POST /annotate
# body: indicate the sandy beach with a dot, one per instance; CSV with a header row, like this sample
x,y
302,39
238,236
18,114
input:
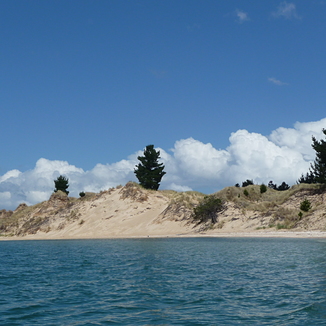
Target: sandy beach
x,y
237,234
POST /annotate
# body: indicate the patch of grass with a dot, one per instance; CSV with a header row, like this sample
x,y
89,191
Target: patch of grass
x,y
280,226
134,191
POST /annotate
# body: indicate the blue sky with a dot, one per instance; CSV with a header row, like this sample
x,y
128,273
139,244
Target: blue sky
x,y
86,85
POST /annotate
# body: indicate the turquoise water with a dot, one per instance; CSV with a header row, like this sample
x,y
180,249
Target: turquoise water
x,y
201,281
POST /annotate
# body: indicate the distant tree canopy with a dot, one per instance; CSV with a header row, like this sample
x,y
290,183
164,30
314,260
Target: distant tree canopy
x,y
247,183
61,184
263,188
149,171
282,187
308,178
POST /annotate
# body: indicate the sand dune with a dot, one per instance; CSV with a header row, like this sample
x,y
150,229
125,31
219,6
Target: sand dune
x,y
130,211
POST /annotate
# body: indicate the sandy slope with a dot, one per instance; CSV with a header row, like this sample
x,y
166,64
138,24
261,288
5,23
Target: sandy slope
x,y
131,211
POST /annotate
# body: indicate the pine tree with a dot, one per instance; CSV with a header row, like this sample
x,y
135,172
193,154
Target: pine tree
x,y
308,178
318,168
61,184
149,172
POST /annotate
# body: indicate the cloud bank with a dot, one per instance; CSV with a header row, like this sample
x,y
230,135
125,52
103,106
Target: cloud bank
x,y
190,165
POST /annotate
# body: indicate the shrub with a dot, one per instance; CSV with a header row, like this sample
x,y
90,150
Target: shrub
x,y
246,193
263,188
305,205
300,215
208,209
82,194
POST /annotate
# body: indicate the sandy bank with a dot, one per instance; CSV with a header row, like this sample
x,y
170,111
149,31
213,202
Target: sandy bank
x,y
236,234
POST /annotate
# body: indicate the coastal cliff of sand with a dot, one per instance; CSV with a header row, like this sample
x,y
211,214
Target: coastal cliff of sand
x,y
132,211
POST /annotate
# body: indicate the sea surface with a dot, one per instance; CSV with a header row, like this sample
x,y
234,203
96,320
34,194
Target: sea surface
x,y
188,281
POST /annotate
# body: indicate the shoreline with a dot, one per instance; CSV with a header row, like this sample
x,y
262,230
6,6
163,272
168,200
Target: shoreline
x,y
248,234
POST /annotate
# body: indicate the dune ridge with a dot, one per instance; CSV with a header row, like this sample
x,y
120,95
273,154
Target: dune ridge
x,y
131,211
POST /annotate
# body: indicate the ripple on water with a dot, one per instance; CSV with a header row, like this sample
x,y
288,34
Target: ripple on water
x,y
163,282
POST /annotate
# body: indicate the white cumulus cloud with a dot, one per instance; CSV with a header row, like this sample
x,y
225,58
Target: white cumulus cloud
x,y
190,165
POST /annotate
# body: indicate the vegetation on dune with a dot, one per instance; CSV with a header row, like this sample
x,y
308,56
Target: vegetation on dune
x,y
181,205
281,208
263,188
149,171
133,191
282,187
305,205
247,183
208,209
61,183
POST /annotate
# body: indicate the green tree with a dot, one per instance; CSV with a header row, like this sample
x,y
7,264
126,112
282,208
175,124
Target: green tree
x,y
208,209
149,171
318,168
61,184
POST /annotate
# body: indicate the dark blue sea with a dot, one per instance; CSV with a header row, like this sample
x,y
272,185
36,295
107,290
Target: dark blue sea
x,y
193,281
